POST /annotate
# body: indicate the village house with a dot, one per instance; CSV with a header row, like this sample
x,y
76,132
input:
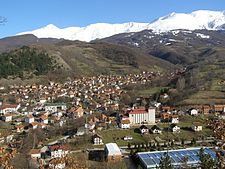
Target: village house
x,y
196,126
29,118
144,129
19,128
44,119
166,108
58,151
34,125
9,108
54,107
124,124
219,108
156,130
174,119
206,109
92,123
174,128
97,139
35,153
76,112
165,117
194,112
9,137
7,118
57,163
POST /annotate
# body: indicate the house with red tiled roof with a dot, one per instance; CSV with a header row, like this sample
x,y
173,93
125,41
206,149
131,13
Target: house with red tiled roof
x,y
35,153
34,125
19,128
125,124
44,119
58,150
6,108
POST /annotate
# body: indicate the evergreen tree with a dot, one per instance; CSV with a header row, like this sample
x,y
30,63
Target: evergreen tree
x,y
206,162
165,162
128,145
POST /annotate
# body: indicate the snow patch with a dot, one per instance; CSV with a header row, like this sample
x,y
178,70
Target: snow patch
x,y
175,22
202,36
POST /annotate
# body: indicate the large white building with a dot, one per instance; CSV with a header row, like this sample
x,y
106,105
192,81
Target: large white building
x,y
142,116
54,107
9,108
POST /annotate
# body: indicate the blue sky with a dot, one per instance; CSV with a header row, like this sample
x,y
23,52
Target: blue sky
x,y
25,15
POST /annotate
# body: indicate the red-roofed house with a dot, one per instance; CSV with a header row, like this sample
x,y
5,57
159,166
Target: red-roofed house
x,y
19,128
58,151
125,124
35,153
6,108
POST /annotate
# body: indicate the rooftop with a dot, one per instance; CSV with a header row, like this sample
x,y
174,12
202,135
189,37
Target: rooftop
x,y
113,149
152,159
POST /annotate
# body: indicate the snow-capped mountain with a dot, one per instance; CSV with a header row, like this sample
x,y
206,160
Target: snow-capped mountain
x,y
202,19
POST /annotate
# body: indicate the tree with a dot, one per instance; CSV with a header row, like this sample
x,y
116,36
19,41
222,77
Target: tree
x,y
193,141
184,162
206,162
2,20
128,145
165,162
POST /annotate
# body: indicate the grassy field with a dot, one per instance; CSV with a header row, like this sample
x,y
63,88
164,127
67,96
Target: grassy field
x,y
206,97
4,126
116,135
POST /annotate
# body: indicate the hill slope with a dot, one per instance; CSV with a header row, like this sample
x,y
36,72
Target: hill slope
x,y
200,51
74,58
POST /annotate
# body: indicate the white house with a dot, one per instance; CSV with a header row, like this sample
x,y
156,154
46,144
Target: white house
x,y
9,108
29,119
7,117
127,138
174,119
156,130
44,119
58,151
59,165
124,124
54,107
97,139
141,116
35,153
144,129
174,128
193,112
34,125
196,126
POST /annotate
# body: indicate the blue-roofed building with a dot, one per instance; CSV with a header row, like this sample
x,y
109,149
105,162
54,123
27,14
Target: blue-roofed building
x,y
152,159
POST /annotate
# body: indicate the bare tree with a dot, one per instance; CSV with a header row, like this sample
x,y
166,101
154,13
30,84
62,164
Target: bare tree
x,y
3,20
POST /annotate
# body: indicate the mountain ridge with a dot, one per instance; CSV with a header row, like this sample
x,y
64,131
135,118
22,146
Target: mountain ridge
x,y
201,19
